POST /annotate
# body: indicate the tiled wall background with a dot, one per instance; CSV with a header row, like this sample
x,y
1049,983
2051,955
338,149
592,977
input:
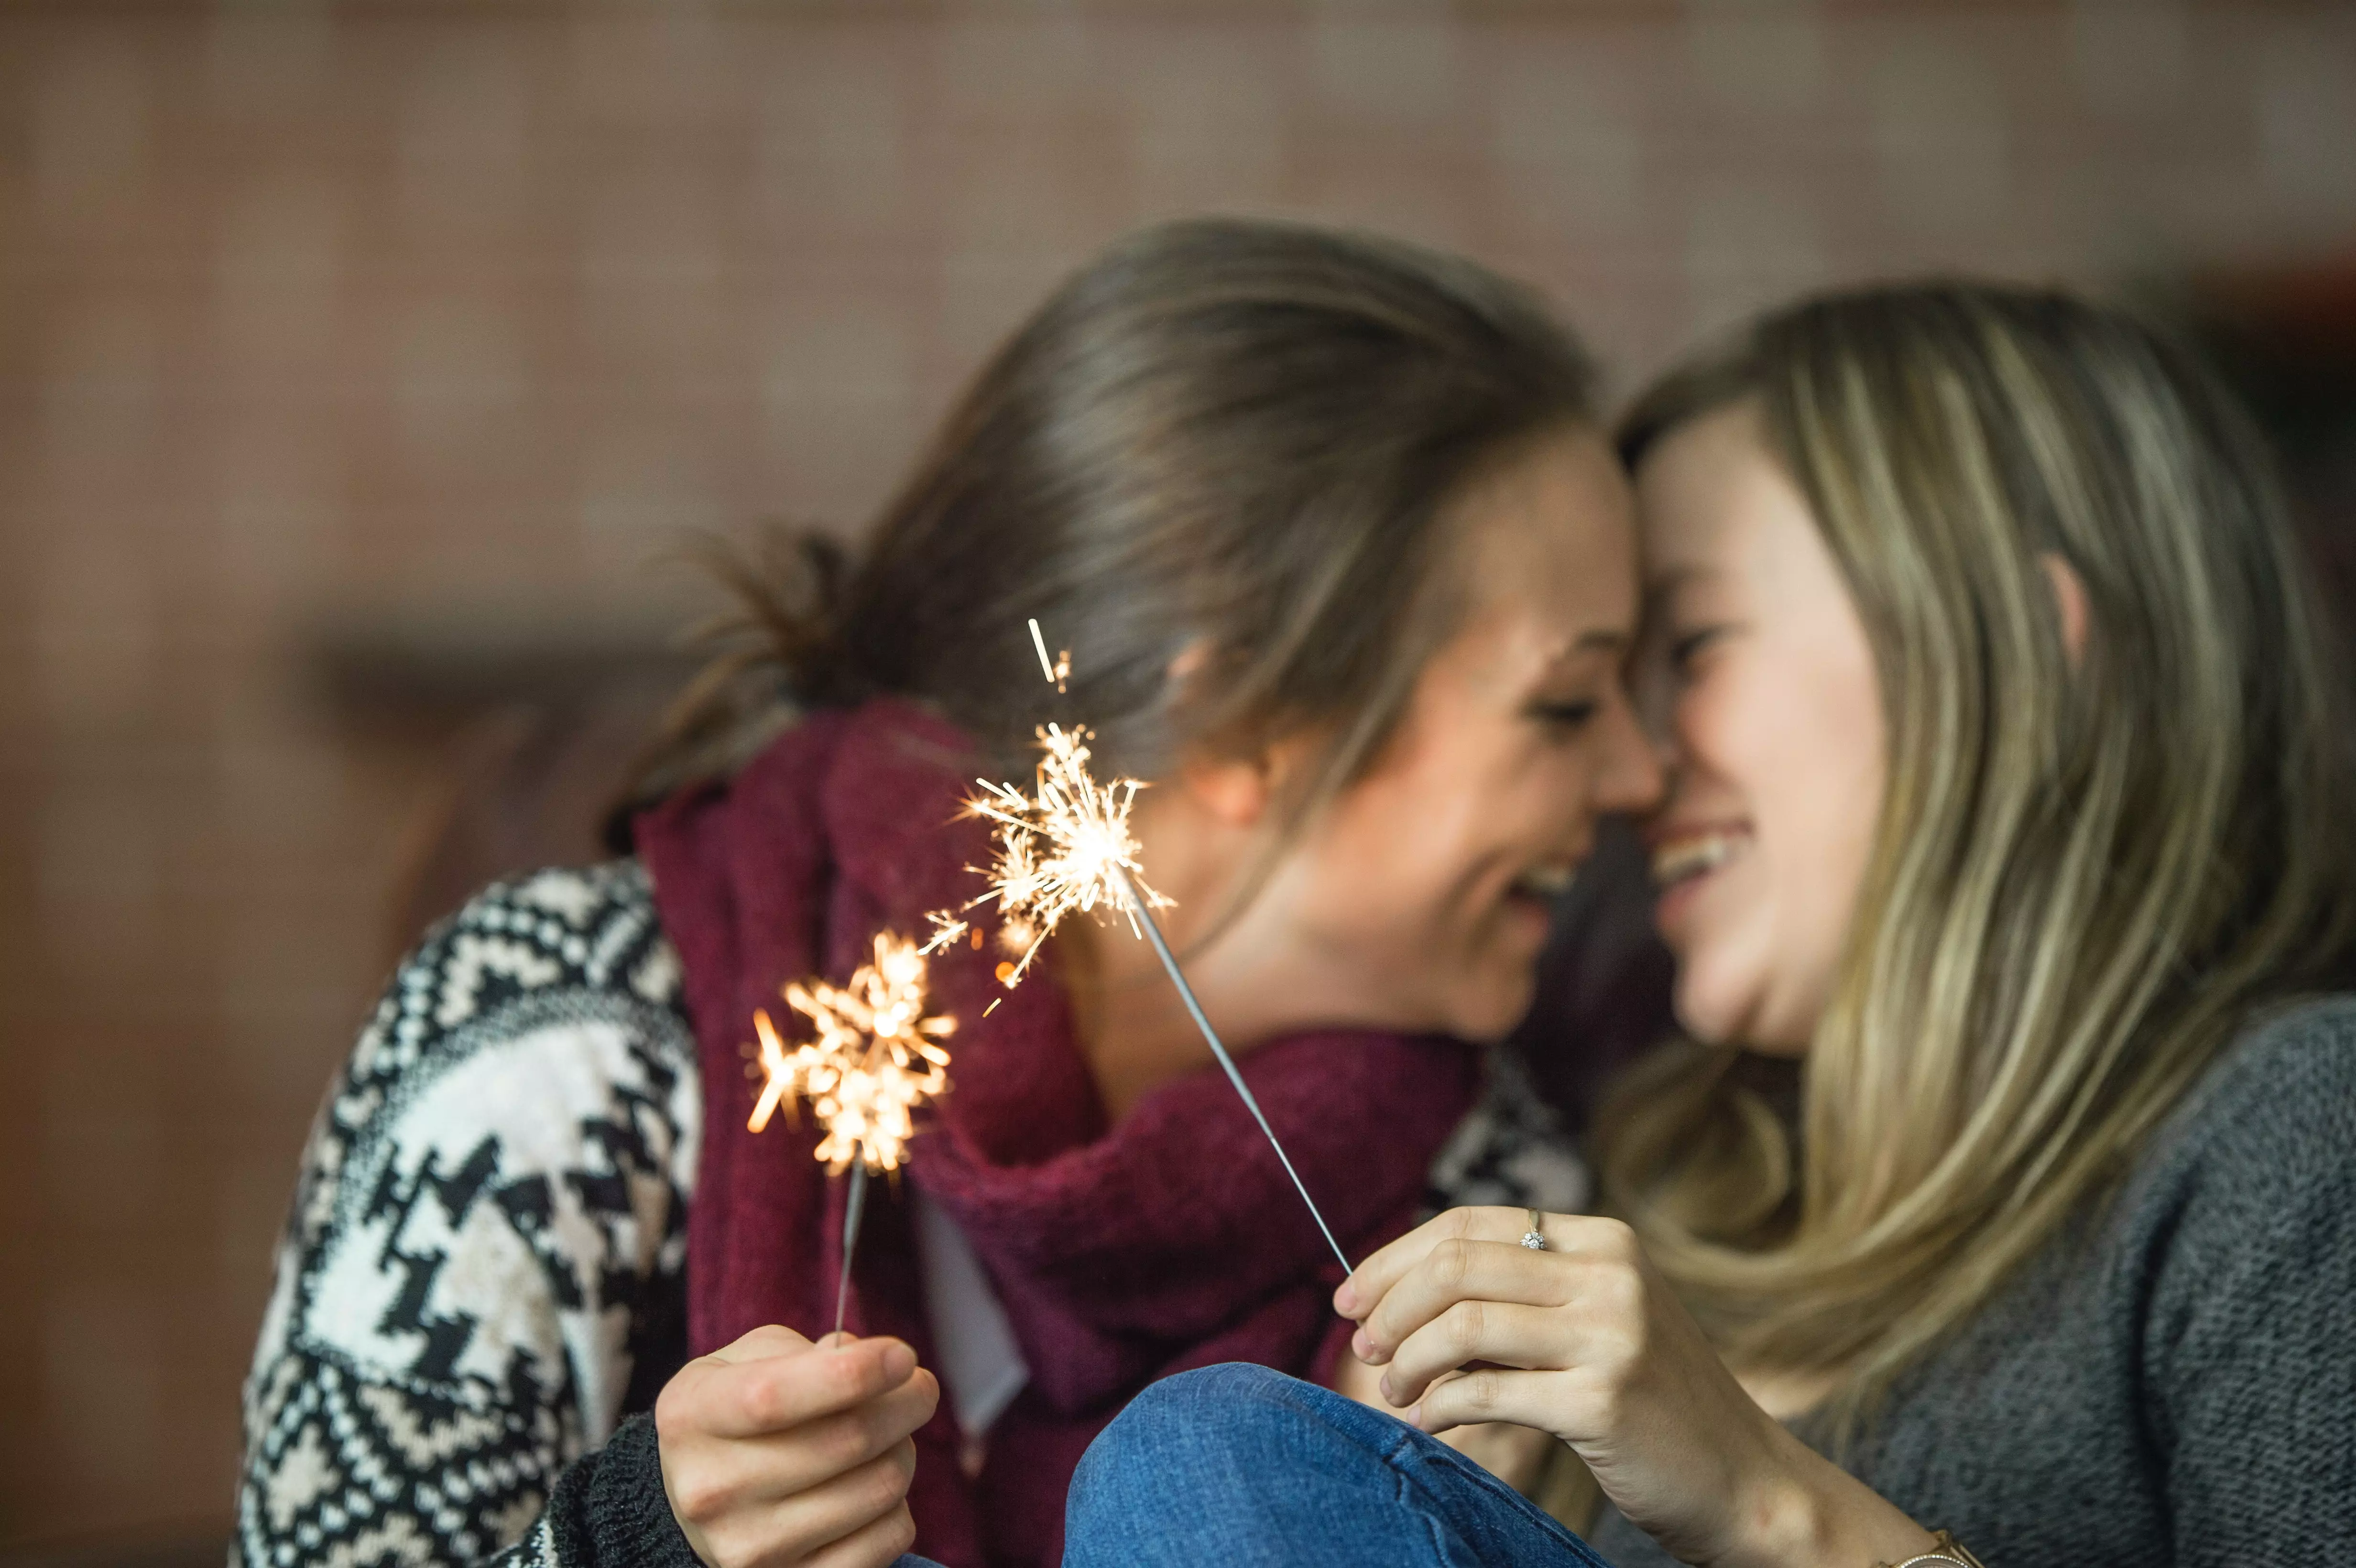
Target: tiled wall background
x,y
305,313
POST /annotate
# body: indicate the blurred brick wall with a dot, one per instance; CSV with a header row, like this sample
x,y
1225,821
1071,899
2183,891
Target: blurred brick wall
x,y
305,310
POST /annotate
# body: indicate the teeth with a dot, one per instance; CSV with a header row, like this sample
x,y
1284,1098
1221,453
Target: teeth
x,y
1546,881
1683,857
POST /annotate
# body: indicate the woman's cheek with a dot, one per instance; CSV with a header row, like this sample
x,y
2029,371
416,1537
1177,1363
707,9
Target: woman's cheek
x,y
1710,727
1708,1000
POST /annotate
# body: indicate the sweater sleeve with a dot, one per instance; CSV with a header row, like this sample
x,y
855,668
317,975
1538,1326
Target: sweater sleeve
x,y
2248,1342
485,1268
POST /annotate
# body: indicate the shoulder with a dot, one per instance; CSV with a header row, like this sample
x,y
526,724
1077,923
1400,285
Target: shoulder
x,y
568,971
489,1239
2243,1216
526,1084
594,928
2244,1226
2276,1115
543,1000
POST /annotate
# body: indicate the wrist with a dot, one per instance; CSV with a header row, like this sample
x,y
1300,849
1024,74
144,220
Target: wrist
x,y
1804,1512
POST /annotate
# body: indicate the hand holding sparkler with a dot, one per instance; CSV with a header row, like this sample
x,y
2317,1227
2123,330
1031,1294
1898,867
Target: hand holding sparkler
x,y
777,1450
877,1057
1066,848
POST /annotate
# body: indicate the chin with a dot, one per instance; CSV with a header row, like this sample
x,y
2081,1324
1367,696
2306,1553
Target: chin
x,y
1712,1014
1488,1018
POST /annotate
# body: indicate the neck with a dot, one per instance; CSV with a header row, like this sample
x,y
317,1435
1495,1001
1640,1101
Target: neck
x,y
1130,1024
1127,1013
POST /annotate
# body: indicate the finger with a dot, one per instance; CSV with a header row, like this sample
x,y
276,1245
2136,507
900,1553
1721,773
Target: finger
x,y
769,1341
1525,1398
1503,1333
1371,1280
825,1514
1457,1271
875,1544
756,1472
753,1398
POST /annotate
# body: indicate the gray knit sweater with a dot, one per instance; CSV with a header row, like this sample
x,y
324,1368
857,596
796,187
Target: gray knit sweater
x,y
2173,1382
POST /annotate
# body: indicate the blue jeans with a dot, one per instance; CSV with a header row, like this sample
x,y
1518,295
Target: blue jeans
x,y
1240,1465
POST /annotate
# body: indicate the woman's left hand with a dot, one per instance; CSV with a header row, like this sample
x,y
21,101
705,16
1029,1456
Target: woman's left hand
x,y
1514,1455
1585,1340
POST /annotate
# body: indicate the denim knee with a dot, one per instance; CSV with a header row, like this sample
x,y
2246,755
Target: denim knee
x,y
1169,1419
1214,1435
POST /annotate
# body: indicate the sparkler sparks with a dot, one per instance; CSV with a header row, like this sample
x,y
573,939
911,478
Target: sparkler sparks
x,y
947,928
1059,672
877,1057
1065,847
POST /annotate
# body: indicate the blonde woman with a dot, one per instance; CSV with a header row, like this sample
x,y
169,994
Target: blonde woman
x,y
2010,1189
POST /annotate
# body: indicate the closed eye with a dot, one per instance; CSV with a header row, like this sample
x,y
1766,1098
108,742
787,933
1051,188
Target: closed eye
x,y
1562,715
1685,650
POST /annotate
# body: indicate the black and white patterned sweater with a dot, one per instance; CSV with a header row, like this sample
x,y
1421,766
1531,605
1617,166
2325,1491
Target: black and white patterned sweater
x,y
482,1286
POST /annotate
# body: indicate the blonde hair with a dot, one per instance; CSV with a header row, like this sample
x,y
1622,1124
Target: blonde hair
x,y
2091,867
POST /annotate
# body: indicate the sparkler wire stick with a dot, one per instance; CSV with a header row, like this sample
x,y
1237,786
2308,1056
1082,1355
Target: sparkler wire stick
x,y
1211,1035
1066,848
853,1207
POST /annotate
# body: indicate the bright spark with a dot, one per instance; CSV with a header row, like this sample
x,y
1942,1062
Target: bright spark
x,y
1065,847
1016,933
947,928
876,1057
1059,670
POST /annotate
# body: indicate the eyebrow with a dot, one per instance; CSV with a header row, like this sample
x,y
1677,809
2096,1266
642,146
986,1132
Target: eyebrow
x,y
1600,640
1659,590
1677,577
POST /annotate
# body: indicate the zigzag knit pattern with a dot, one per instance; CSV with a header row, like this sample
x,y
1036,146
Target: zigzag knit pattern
x,y
487,1242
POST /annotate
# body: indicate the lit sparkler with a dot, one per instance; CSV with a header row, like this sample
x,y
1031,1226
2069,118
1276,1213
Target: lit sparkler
x,y
875,1058
1067,848
1063,849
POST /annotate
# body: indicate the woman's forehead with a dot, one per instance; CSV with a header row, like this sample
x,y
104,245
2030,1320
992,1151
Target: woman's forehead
x,y
1712,504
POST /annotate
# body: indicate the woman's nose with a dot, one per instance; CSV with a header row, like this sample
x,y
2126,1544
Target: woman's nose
x,y
1635,765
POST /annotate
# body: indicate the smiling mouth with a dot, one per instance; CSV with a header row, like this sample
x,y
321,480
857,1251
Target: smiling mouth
x,y
1692,855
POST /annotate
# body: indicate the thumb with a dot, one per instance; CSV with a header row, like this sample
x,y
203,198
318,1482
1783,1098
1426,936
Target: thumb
x,y
766,1343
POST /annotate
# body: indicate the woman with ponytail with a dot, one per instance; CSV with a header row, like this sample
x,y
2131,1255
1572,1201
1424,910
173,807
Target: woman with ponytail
x,y
1346,571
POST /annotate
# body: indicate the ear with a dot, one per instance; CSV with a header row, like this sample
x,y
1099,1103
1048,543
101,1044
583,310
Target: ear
x,y
1233,791
2069,603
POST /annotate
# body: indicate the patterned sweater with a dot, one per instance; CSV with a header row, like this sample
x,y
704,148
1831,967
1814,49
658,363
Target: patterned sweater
x,y
482,1286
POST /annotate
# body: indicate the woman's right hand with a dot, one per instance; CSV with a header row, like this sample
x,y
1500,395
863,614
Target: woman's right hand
x,y
778,1453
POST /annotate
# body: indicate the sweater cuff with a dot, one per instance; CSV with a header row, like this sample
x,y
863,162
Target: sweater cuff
x,y
610,1508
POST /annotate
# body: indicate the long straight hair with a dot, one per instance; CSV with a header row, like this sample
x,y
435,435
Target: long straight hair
x,y
1229,441
2092,868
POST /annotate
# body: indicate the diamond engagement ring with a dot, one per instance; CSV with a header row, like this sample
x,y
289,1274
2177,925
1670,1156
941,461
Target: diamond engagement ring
x,y
1534,1238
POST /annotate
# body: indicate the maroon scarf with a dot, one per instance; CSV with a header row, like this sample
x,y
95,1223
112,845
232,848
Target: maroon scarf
x,y
1122,1254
